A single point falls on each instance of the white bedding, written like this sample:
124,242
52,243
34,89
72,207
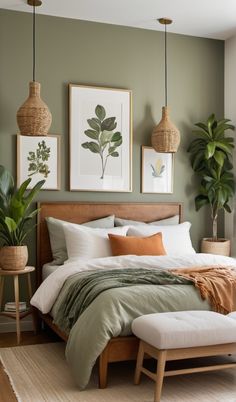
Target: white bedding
48,269
47,293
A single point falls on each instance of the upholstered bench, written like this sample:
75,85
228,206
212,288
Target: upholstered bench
183,335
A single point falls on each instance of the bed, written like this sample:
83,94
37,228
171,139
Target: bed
119,348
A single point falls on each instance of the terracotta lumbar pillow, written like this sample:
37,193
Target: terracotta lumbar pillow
123,245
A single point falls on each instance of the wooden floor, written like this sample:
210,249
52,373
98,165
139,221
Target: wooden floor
9,340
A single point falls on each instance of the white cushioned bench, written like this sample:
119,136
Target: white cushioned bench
183,335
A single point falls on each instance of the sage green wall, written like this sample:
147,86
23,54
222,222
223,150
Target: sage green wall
72,51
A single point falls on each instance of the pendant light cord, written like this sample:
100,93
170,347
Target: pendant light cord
165,66
34,24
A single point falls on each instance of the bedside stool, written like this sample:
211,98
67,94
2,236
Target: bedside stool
17,315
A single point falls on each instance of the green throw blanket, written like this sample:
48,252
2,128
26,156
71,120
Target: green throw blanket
83,290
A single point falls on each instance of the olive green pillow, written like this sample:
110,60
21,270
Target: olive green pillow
173,220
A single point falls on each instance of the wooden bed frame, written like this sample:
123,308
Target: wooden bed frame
119,348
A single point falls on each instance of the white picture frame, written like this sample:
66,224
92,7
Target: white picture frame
38,158
96,116
157,171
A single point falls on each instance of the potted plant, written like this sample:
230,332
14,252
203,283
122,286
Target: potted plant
211,154
15,216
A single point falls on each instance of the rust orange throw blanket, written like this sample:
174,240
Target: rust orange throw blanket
217,284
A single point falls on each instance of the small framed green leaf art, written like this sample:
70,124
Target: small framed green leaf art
157,171
100,139
39,158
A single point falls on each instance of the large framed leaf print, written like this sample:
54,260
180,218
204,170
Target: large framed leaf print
100,139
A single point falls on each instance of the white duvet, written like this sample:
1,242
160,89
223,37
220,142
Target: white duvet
47,293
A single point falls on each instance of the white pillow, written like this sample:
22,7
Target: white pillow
84,242
57,237
176,238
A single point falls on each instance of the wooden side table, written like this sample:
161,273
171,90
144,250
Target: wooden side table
17,315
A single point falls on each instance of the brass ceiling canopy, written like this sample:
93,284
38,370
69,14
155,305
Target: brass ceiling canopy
35,3
164,21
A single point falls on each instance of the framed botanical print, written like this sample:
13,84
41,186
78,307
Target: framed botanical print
38,158
157,171
100,139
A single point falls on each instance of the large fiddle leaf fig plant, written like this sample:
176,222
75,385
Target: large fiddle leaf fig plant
15,212
211,159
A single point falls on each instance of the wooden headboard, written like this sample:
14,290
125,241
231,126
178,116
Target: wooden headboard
80,212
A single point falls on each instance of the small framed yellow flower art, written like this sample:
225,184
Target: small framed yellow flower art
38,157
157,171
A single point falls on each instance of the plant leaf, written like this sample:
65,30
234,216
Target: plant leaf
111,149
85,145
118,143
116,136
92,134
210,149
93,147
227,208
32,193
200,201
11,224
115,154
109,124
201,134
93,123
227,148
221,129
219,157
210,123
105,137
6,187
100,112
204,128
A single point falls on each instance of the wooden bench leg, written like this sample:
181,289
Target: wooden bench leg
160,375
139,363
103,366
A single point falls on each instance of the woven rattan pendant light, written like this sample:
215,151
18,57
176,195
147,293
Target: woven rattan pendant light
33,117
165,136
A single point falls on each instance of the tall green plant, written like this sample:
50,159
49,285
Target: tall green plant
210,158
15,214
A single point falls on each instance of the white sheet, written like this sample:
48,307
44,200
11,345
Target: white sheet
46,294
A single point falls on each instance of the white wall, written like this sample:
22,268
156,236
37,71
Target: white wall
230,112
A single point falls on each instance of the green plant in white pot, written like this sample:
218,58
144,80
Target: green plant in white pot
15,219
211,155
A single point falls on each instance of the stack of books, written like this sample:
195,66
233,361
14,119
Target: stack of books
10,307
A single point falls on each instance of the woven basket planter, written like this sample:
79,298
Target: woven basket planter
165,136
13,258
221,246
34,117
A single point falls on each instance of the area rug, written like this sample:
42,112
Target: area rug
39,373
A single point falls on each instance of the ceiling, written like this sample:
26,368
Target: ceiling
205,18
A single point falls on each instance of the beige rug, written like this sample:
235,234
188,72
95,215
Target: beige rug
39,373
